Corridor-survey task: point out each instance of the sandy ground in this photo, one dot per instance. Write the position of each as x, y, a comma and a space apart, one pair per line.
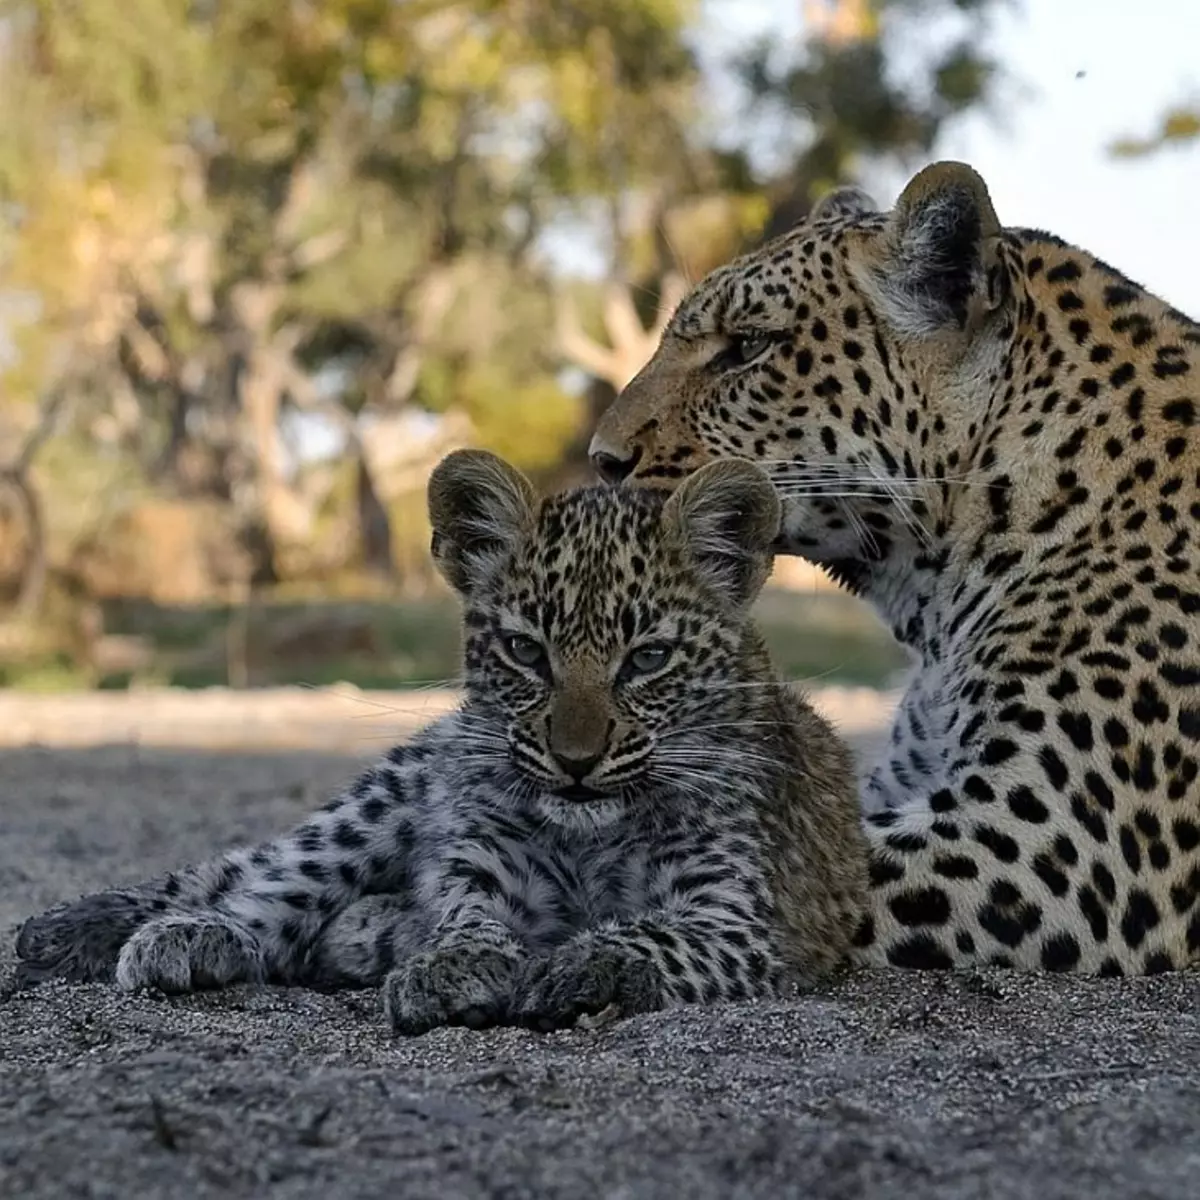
883, 1086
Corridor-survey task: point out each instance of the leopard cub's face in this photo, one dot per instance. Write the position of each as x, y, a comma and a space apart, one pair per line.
598, 648
604, 631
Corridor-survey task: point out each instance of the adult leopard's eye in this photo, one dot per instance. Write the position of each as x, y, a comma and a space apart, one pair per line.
648, 658
524, 650
744, 348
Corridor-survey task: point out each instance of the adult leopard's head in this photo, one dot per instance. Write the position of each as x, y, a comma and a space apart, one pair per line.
855, 357
602, 626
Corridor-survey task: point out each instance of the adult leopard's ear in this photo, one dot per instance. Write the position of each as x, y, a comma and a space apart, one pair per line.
727, 516
939, 268
480, 509
843, 202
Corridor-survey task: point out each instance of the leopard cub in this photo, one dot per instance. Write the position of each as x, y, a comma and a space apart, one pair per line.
629, 808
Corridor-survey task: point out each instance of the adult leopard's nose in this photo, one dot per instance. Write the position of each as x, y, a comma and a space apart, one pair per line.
613, 464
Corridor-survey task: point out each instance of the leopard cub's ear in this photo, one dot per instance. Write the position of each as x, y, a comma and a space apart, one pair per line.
727, 516
480, 508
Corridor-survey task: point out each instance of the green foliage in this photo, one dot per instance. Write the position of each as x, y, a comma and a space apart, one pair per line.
858, 107
1177, 126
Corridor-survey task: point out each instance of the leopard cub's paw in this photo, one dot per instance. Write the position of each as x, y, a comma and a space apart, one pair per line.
583, 978
465, 984
187, 954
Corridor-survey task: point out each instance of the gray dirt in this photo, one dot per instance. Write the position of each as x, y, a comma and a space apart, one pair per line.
888, 1085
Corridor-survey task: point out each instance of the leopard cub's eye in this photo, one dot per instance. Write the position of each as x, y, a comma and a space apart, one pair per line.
524, 650
646, 659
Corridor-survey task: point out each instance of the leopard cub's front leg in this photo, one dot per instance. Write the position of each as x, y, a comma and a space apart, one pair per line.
466, 968
255, 913
136, 938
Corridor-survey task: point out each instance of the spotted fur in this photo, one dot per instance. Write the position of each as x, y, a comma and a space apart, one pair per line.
629, 808
995, 438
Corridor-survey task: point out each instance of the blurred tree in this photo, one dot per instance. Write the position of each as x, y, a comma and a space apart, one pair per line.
326, 208
247, 223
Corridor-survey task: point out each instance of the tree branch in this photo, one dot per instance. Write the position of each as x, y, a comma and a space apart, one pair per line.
48, 412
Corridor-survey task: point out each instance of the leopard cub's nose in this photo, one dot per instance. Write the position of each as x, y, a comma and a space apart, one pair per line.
576, 765
612, 467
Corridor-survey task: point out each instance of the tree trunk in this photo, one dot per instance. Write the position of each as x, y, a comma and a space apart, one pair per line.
375, 527
32, 583
261, 391
267, 366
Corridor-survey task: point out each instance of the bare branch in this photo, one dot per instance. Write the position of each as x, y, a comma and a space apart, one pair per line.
319, 249
33, 569
631, 344
149, 356
621, 320
301, 187
578, 348
15, 479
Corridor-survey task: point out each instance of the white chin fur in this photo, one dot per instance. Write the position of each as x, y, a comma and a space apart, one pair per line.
580, 816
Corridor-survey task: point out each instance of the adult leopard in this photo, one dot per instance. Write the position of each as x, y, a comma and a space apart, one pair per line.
994, 437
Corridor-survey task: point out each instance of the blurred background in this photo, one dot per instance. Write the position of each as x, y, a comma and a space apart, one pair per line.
263, 262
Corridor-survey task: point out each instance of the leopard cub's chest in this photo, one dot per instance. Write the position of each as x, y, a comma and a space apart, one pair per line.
562, 886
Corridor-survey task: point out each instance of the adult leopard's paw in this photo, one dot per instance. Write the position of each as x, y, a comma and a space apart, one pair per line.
584, 977
466, 984
80, 940
189, 954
